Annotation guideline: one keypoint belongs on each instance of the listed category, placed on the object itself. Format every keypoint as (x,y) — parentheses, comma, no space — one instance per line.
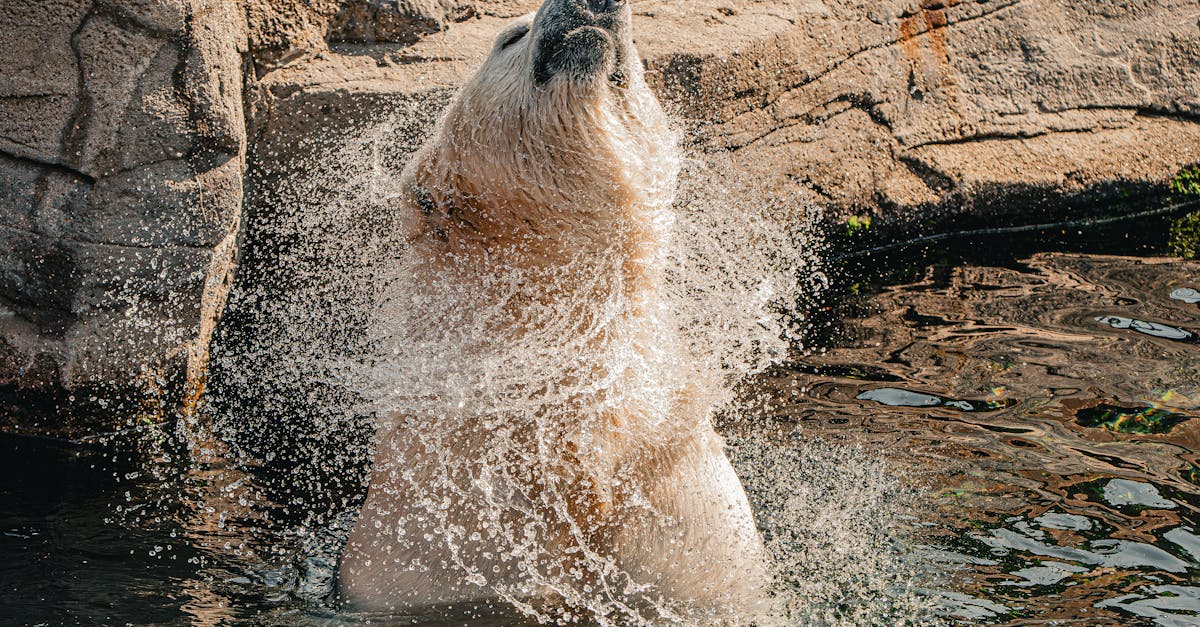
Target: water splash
(838,522)
(735,270)
(340,331)
(319,227)
(516,393)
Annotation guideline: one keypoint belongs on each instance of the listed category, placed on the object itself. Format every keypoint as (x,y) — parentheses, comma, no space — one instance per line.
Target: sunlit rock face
(896,108)
(122,149)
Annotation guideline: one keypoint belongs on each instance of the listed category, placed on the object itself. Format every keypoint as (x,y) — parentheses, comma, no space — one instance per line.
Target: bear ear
(511,36)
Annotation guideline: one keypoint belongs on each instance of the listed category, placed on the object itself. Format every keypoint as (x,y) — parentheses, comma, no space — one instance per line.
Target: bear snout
(604,6)
(582,40)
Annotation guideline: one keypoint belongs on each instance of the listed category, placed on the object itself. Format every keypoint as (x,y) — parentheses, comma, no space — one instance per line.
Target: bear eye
(514,37)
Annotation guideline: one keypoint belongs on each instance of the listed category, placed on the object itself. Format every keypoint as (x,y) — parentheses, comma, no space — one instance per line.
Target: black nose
(604,6)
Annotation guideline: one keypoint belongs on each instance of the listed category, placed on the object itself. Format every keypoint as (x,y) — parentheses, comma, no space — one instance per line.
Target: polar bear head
(556,136)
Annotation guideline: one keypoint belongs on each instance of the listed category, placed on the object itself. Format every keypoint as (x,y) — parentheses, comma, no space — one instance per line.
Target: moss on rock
(1185,232)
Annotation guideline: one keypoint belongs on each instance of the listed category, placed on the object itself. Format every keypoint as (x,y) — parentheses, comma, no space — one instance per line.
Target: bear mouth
(590,31)
(605,6)
(618,77)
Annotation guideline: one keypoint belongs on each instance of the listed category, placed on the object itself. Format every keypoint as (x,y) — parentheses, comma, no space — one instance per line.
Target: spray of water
(514,392)
(476,401)
(836,519)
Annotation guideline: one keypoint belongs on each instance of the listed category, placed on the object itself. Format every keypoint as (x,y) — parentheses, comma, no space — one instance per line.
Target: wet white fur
(570,183)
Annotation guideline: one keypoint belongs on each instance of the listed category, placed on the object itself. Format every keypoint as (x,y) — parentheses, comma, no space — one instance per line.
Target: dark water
(1042,386)
(1061,451)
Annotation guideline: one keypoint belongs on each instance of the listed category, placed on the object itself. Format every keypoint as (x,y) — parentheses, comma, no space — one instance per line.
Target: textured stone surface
(899,108)
(396,21)
(284,32)
(122,151)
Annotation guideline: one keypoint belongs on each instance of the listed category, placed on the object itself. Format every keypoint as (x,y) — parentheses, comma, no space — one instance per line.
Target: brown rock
(852,100)
(122,151)
(285,31)
(282,31)
(396,21)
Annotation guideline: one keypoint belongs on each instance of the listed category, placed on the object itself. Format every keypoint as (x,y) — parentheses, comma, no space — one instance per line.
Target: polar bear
(596,484)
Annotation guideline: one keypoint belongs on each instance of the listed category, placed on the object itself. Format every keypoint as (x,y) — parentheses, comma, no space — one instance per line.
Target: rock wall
(122,150)
(125,148)
(905,107)
(899,108)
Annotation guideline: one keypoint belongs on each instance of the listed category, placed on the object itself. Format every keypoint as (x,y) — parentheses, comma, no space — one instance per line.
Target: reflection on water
(1167,332)
(907,398)
(89,535)
(1076,497)
(1187,295)
(1146,419)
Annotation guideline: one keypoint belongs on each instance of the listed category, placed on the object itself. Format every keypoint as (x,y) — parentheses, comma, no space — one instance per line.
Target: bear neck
(565,175)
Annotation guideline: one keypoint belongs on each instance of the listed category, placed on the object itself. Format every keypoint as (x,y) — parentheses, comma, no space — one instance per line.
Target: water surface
(1060,448)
